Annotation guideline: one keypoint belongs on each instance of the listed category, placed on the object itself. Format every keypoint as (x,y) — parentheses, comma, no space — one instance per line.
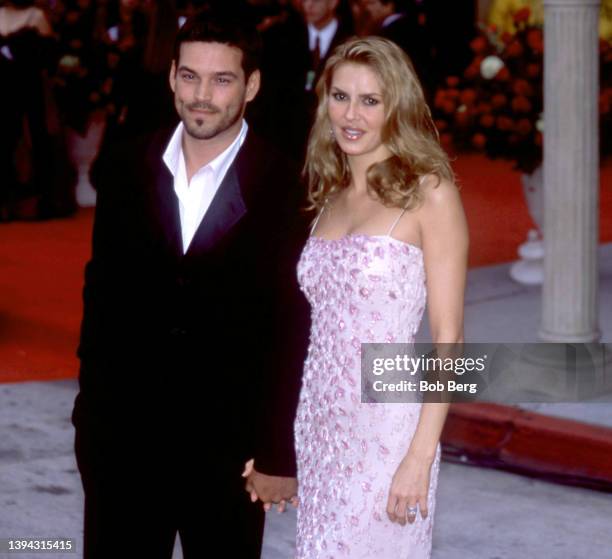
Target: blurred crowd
(66,62)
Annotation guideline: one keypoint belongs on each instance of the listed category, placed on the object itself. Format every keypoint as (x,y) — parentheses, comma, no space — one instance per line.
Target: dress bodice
(364,287)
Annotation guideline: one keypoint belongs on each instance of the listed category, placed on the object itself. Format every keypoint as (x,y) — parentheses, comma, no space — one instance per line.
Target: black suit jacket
(204,350)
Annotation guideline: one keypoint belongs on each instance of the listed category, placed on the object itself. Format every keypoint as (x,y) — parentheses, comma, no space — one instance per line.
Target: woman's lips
(352,134)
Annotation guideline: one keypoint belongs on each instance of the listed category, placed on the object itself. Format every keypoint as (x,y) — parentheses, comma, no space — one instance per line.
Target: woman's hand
(409,489)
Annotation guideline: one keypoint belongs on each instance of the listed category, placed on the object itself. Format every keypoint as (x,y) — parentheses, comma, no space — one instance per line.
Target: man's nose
(203,91)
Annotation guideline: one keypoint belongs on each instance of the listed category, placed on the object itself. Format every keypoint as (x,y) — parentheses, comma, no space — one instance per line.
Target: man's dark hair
(219,26)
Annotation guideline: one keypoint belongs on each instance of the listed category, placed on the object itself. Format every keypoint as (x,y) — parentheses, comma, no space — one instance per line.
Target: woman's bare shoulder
(438,192)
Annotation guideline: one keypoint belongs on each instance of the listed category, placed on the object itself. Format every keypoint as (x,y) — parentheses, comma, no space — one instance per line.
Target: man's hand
(270,489)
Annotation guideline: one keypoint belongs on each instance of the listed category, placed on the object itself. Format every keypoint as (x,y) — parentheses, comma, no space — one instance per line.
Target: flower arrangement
(605,95)
(496,107)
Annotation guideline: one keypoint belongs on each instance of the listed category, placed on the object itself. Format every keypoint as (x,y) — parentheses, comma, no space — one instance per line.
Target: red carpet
(41,267)
(497,215)
(41,270)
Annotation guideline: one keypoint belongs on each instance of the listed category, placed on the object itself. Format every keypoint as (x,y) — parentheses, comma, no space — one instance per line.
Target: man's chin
(200,132)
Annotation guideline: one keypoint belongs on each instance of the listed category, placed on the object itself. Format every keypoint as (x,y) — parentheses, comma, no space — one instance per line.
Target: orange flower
(487,121)
(522,15)
(439,99)
(533,70)
(452,93)
(462,118)
(472,71)
(468,96)
(535,40)
(484,108)
(504,123)
(499,100)
(523,126)
(452,81)
(522,87)
(441,125)
(521,104)
(449,106)
(514,50)
(479,45)
(538,139)
(479,141)
(503,75)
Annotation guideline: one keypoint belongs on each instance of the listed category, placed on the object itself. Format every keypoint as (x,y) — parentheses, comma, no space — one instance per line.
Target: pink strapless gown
(361,288)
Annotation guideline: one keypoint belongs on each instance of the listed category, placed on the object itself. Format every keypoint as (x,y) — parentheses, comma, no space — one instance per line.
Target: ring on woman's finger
(412,511)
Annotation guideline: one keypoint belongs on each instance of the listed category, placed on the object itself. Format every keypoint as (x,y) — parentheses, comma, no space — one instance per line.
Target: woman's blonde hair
(408,130)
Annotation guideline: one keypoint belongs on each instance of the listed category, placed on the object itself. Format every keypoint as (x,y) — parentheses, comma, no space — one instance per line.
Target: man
(407,29)
(296,50)
(324,34)
(194,330)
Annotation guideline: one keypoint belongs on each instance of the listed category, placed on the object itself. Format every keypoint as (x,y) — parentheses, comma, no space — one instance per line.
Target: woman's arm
(445,246)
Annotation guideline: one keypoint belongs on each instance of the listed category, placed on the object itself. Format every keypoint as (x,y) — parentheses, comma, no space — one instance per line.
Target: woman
(390,234)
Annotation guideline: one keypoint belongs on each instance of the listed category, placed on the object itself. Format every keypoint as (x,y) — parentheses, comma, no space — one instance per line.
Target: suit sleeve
(290,327)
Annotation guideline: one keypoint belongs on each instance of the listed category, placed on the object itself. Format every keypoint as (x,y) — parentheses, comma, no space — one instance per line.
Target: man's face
(210,90)
(319,12)
(377,11)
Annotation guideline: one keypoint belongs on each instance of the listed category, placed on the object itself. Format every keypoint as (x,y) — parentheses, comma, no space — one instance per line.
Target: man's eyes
(220,79)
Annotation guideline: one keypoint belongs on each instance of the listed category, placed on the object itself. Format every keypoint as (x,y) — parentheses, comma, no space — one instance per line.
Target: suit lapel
(226,209)
(166,206)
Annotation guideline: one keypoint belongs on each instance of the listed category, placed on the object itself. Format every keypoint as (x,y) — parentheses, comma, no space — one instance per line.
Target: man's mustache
(203,107)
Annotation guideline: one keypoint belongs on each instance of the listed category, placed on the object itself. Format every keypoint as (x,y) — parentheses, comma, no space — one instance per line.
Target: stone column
(571,171)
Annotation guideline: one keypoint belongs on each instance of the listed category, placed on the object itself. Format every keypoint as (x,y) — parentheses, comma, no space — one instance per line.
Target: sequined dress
(361,288)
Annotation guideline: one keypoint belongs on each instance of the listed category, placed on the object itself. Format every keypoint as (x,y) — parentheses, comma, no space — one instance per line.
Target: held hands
(409,488)
(270,489)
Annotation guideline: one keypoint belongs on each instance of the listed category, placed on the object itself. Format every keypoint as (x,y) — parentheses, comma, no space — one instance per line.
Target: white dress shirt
(195,196)
(390,19)
(326,36)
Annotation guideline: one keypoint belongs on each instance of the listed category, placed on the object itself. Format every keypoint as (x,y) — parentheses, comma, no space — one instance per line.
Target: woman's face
(356,111)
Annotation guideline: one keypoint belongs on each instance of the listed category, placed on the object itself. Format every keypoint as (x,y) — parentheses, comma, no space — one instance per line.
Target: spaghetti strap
(314,224)
(395,222)
(421,179)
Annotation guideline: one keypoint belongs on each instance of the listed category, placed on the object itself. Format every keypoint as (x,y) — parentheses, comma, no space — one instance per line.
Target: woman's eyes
(369,101)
